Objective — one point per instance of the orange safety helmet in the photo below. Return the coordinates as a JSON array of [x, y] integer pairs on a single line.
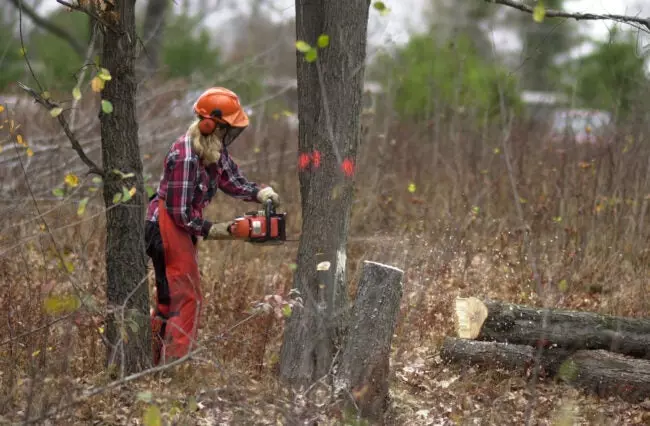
[[220, 107]]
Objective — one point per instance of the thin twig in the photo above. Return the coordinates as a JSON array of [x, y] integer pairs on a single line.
[[578, 16], [47, 103]]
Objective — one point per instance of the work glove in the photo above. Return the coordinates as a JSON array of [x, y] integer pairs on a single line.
[[220, 231], [267, 193]]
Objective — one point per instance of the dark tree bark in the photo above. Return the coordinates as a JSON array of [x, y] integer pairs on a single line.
[[127, 289], [519, 358], [603, 373], [329, 105], [365, 358], [563, 328], [152, 34]]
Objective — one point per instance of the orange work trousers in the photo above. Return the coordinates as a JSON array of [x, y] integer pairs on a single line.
[[180, 323]]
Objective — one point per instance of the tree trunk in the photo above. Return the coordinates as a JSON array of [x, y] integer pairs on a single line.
[[604, 373], [365, 358], [519, 358], [329, 105], [128, 329], [572, 330], [152, 34]]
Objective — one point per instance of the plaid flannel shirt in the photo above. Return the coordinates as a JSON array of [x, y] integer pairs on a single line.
[[188, 186]]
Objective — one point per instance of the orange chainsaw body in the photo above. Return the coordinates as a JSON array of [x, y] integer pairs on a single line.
[[265, 226]]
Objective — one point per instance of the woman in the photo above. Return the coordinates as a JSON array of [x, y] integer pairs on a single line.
[[195, 166]]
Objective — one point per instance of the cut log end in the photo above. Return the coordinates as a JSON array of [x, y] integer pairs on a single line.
[[471, 313]]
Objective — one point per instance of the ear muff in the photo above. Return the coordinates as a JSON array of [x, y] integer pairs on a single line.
[[207, 126]]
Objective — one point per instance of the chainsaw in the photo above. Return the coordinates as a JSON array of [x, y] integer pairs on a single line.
[[261, 227]]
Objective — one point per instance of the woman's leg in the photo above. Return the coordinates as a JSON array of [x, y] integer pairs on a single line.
[[155, 250]]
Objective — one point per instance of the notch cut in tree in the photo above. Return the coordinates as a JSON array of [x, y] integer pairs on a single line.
[[330, 91], [362, 378], [598, 371], [572, 330]]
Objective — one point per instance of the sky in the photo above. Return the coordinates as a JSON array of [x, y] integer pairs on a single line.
[[407, 17]]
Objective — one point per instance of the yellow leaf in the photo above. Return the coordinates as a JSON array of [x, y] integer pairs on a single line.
[[76, 93], [82, 206], [71, 180], [97, 84], [152, 416], [302, 46], [36, 352], [539, 12], [411, 187], [19, 139], [61, 304], [101, 330], [54, 112], [30, 152], [2, 108], [256, 150], [132, 191]]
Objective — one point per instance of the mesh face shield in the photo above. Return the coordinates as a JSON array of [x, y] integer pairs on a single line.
[[231, 134]]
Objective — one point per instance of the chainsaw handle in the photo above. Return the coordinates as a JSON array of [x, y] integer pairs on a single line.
[[268, 210]]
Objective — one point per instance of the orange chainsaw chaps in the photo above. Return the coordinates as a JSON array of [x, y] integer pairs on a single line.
[[184, 279]]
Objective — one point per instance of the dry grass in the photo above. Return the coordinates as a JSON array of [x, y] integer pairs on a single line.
[[458, 234]]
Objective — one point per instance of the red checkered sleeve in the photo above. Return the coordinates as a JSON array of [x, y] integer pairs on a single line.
[[233, 182], [181, 175]]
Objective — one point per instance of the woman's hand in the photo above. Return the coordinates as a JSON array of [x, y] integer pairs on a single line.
[[267, 193]]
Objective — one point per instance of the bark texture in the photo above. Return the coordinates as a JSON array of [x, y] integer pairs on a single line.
[[329, 105], [365, 358], [572, 330], [598, 371], [519, 358], [128, 329]]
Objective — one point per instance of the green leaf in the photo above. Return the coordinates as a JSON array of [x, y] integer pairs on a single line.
[[293, 266], [311, 55], [323, 40], [56, 111], [122, 175], [539, 12], [126, 194], [302, 46], [286, 310], [104, 74], [58, 192], [145, 396], [76, 93], [150, 191], [107, 106], [563, 286], [152, 416], [97, 180], [82, 206], [568, 371], [192, 404], [381, 7], [117, 198]]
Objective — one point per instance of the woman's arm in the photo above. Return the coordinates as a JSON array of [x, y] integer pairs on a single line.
[[233, 182]]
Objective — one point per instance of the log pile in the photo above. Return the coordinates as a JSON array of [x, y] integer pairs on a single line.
[[604, 354]]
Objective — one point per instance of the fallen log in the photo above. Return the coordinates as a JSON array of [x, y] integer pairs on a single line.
[[362, 377], [598, 371], [572, 330]]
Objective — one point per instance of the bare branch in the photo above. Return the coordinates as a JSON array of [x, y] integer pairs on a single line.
[[578, 16], [93, 168], [49, 26], [88, 12]]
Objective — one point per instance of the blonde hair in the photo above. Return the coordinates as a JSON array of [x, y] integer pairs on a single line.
[[208, 148]]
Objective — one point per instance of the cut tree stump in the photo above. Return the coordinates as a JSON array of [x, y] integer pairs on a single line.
[[362, 378], [603, 373], [573, 330]]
